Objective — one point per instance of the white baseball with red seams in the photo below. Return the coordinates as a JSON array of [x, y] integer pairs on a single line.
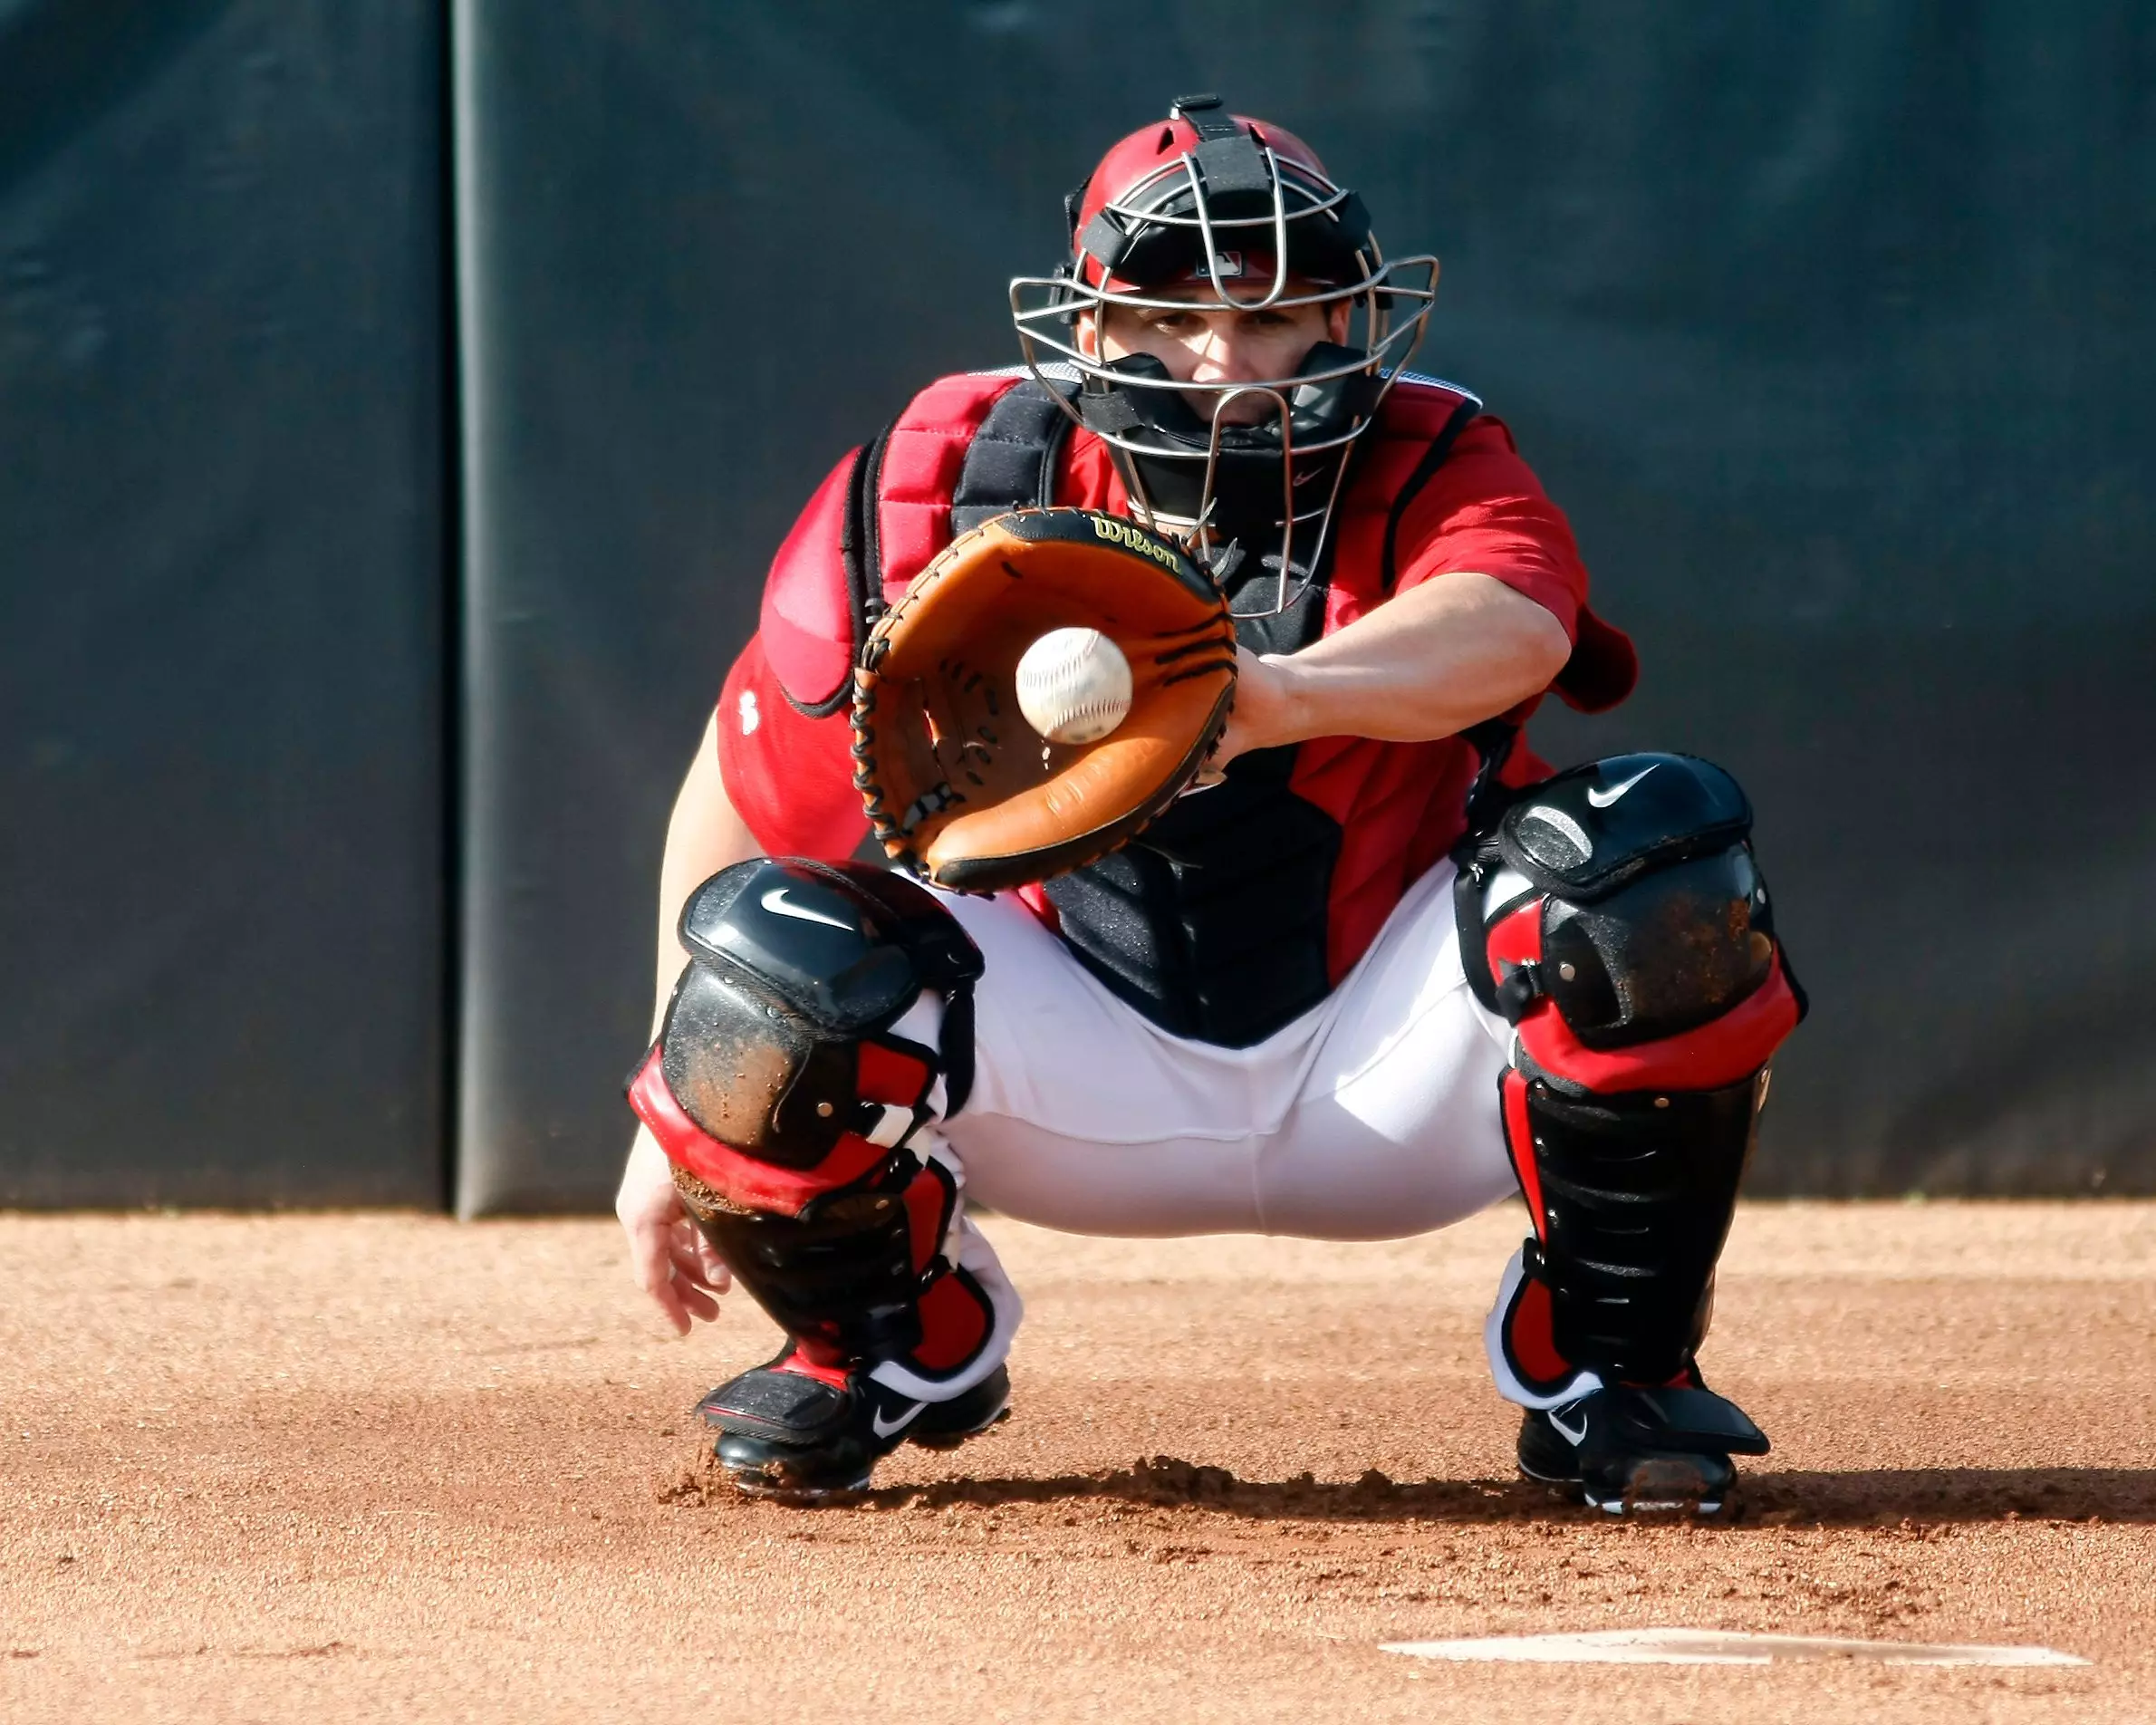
[[1073, 685]]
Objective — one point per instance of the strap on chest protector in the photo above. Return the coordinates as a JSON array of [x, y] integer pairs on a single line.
[[1011, 462]]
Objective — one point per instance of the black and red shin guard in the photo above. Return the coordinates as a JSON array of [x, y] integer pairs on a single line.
[[853, 1258], [797, 1119], [1620, 924]]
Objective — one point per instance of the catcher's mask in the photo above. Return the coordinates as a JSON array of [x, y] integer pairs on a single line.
[[1248, 211]]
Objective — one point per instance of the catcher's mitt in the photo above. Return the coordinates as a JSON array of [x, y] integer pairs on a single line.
[[957, 785]]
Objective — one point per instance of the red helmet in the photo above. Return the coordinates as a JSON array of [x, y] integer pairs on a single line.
[[1143, 217], [1246, 208]]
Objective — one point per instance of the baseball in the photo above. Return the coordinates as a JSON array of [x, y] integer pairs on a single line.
[[1073, 685]]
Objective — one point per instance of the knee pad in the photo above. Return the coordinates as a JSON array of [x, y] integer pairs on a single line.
[[792, 1113], [1616, 917]]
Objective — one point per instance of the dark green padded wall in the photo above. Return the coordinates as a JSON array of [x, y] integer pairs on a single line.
[[222, 488]]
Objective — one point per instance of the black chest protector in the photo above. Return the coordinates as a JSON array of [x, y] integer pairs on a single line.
[[1212, 922]]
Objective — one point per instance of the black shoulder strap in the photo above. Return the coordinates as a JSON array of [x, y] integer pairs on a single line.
[[1432, 459], [862, 561], [1011, 462], [858, 546], [1488, 796]]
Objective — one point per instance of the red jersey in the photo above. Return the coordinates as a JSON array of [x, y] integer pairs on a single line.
[[1375, 814]]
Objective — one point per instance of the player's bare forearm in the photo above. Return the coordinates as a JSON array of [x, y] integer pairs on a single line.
[[670, 1257], [705, 834], [1448, 654]]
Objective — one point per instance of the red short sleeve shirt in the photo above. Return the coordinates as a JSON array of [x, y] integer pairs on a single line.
[[1484, 511], [790, 774]]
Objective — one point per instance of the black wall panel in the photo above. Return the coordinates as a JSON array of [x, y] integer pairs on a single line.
[[1829, 325], [221, 485]]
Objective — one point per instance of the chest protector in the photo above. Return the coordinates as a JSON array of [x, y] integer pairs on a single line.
[[1243, 907]]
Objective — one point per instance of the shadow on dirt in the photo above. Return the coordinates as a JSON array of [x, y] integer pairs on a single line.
[[1914, 1497]]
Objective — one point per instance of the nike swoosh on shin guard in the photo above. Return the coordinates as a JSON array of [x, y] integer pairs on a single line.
[[1602, 799], [775, 900]]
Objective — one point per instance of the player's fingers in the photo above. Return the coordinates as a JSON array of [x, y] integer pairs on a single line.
[[654, 1267], [696, 1303], [715, 1275], [690, 1290], [695, 1257], [667, 1294], [690, 1269]]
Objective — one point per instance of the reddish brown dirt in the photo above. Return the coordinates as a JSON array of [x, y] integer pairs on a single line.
[[392, 1467]]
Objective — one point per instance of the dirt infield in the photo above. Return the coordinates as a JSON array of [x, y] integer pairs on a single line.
[[392, 1467]]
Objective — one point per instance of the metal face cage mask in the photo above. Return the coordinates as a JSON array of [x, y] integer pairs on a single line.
[[1236, 212]]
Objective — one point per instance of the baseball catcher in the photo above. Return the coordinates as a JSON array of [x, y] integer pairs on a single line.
[[1173, 679]]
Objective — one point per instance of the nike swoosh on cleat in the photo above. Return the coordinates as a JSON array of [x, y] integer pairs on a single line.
[[1575, 1437], [884, 1430], [777, 901], [1602, 799]]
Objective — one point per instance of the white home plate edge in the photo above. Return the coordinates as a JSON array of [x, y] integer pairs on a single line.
[[1714, 1647]]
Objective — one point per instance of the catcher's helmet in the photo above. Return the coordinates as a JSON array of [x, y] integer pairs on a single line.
[[1245, 209]]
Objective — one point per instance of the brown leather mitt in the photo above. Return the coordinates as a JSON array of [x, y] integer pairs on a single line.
[[957, 785]]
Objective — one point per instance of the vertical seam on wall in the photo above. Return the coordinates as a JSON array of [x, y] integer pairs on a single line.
[[461, 556]]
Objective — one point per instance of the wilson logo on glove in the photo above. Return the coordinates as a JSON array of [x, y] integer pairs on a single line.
[[957, 785], [1126, 532]]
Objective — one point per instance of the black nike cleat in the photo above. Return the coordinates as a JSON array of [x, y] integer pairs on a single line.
[[1632, 1450], [786, 1435]]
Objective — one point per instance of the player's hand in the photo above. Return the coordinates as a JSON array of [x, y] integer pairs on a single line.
[[1263, 715], [672, 1259]]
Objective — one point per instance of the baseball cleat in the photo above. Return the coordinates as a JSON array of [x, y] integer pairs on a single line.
[[790, 1436], [1640, 1452]]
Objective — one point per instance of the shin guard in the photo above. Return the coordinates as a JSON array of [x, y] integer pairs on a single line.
[[1617, 919], [799, 1123], [1632, 1197]]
